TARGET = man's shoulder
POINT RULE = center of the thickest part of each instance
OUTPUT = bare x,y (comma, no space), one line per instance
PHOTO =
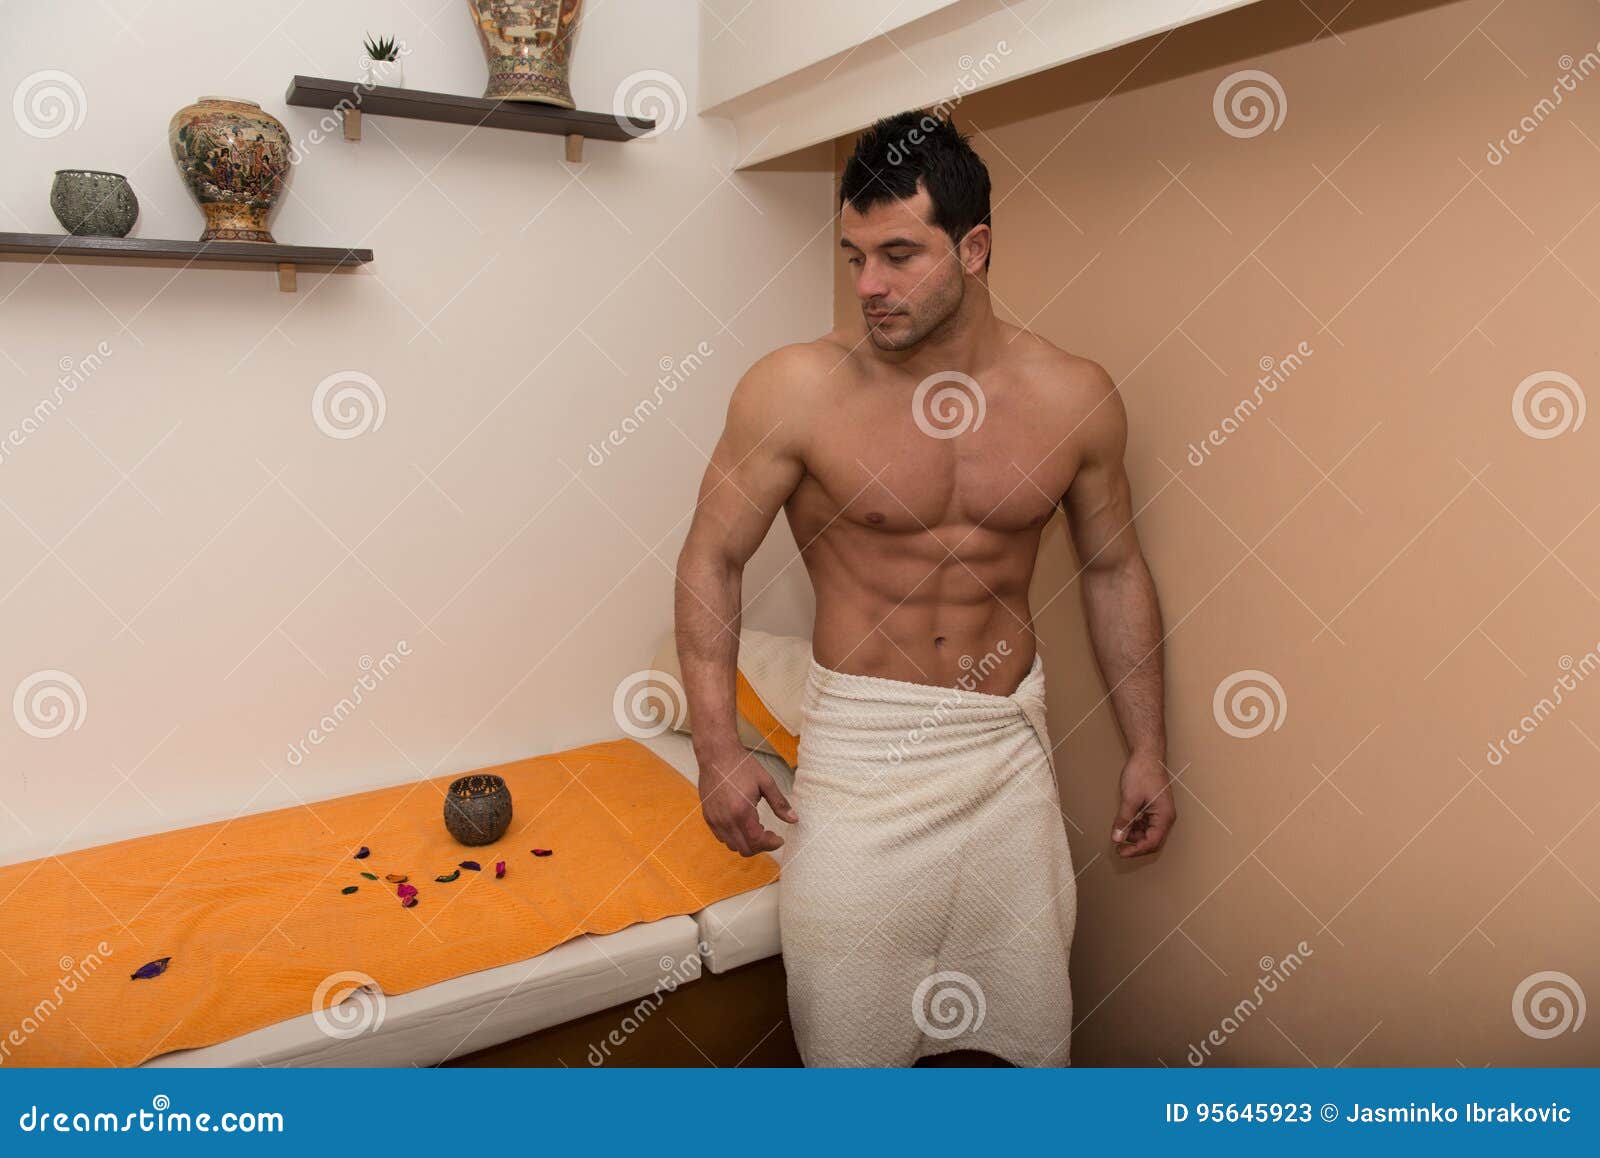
797,374
1064,374
1076,394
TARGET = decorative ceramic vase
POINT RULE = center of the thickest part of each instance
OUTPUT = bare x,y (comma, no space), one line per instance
389,73
235,159
89,203
477,808
527,44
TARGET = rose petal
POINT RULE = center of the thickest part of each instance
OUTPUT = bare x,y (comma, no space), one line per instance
364,853
499,868
405,890
448,877
154,969
348,889
542,851
408,902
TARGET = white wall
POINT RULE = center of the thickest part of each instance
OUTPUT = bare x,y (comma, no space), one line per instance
211,567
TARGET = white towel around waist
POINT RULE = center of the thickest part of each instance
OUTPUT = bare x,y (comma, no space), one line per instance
927,901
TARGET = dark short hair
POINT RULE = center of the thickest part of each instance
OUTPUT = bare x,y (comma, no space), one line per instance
896,153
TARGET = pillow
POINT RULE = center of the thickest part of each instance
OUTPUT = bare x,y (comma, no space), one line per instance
774,663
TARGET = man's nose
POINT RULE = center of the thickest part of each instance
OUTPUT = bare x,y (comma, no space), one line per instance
870,285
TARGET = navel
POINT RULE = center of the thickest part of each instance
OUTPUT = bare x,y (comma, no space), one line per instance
938,641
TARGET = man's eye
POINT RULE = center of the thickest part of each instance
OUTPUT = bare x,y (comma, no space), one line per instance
898,258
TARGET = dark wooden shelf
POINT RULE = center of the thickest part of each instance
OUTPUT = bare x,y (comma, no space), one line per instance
285,258
352,98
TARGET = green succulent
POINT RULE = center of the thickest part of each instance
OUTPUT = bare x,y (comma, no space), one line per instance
385,49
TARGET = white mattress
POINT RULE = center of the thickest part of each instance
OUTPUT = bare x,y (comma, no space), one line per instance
589,973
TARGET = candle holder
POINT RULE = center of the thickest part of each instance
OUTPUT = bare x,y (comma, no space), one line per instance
477,808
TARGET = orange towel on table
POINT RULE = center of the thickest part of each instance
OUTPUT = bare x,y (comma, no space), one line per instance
251,914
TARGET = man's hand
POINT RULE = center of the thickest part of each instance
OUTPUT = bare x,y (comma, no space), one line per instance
730,789
1148,811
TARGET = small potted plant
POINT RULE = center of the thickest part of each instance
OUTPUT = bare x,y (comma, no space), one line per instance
382,63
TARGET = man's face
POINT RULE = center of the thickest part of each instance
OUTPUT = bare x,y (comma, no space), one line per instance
907,273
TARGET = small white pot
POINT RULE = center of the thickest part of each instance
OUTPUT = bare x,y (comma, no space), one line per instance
384,72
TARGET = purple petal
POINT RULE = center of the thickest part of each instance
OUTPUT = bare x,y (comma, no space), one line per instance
154,969
364,853
471,864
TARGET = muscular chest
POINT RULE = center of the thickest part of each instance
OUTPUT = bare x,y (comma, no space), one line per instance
884,464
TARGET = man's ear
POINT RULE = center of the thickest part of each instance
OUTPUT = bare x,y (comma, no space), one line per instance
974,249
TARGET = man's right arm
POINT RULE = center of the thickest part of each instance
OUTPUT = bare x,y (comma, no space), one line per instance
754,469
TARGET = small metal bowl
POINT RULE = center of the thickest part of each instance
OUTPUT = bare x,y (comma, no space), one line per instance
477,808
89,203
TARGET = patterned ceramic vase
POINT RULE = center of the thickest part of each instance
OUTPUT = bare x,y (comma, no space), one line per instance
235,159
89,203
528,44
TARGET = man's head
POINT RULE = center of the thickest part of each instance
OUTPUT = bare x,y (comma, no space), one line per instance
914,212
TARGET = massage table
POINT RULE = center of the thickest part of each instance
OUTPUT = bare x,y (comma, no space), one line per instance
578,977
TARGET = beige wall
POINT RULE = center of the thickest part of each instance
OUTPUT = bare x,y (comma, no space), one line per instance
184,540
1380,536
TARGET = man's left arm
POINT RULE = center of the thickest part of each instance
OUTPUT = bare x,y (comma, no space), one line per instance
1124,617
